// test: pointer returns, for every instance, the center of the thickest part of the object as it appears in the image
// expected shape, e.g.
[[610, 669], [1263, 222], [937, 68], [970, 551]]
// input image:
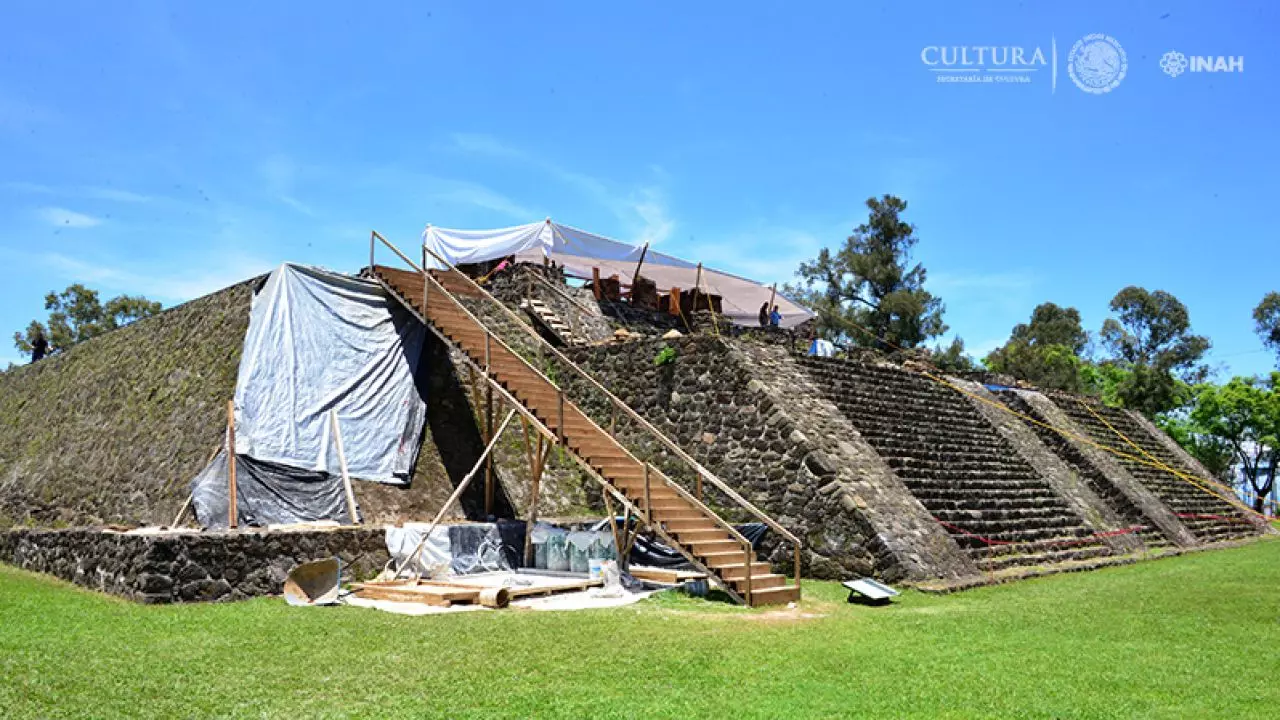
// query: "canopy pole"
[[697, 285], [636, 277], [457, 493], [353, 513], [773, 293], [232, 510]]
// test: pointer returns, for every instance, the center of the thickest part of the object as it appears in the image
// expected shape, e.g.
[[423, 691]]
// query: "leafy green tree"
[[952, 358], [1244, 414], [1152, 340], [1213, 452], [76, 315], [1267, 322], [870, 283], [1046, 351]]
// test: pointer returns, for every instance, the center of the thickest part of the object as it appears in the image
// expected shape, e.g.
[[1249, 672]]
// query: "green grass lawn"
[[1193, 636]]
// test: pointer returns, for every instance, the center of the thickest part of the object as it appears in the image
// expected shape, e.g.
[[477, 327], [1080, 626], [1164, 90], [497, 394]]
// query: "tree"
[[952, 358], [1244, 414], [1046, 351], [1152, 339], [1267, 322], [869, 289], [1213, 452], [76, 315]]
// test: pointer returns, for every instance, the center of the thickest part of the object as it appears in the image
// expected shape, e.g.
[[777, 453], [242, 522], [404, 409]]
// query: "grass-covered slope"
[[111, 430], [1192, 636]]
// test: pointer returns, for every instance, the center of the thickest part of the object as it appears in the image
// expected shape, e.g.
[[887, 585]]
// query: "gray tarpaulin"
[[319, 341], [266, 494]]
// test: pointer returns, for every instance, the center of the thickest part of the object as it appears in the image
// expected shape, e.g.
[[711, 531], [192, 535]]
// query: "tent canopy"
[[578, 251]]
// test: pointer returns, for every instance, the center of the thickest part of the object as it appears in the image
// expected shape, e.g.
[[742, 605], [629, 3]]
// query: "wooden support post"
[[595, 283], [648, 500], [353, 513], [232, 510], [488, 466], [674, 307], [560, 420], [697, 285], [453, 498], [425, 282], [537, 461], [635, 278], [773, 295]]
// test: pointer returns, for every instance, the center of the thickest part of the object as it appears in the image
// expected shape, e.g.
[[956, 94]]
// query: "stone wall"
[[189, 566], [705, 401]]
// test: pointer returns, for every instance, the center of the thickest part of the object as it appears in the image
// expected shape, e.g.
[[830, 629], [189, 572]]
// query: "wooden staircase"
[[551, 321], [673, 513]]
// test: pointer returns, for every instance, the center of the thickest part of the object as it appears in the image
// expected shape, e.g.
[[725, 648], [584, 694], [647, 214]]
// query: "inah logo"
[[1097, 63], [1173, 63]]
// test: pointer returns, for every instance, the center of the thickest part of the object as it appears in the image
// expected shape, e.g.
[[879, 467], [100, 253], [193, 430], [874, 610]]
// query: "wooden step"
[[775, 596], [725, 558], [694, 536], [759, 582], [732, 572], [707, 548], [696, 522]]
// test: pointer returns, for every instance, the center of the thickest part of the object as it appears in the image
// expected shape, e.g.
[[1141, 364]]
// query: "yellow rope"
[[1088, 441]]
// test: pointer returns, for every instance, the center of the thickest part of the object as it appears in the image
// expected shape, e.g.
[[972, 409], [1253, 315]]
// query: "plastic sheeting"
[[473, 246], [319, 341], [452, 549], [578, 251], [266, 494]]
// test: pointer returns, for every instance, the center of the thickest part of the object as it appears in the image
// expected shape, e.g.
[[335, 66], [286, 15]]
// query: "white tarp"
[[579, 251], [319, 341], [472, 246]]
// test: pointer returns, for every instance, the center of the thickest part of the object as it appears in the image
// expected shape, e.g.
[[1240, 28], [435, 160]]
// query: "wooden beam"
[[595, 282], [537, 461], [488, 466], [457, 493], [353, 513], [232, 510], [636, 277], [697, 285], [674, 306]]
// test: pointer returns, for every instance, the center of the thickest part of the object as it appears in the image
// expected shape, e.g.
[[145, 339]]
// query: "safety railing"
[[558, 435], [617, 407]]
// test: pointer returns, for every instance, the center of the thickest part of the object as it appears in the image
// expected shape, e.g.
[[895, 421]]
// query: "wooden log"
[[353, 513], [232, 510]]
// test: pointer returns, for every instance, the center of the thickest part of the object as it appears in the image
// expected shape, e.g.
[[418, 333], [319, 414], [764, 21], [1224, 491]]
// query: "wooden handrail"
[[645, 424], [618, 404]]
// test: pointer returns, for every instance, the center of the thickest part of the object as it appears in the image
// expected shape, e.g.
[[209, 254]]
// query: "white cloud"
[[479, 144], [28, 187], [61, 217], [642, 211], [462, 192], [298, 205], [656, 224], [115, 195], [161, 283]]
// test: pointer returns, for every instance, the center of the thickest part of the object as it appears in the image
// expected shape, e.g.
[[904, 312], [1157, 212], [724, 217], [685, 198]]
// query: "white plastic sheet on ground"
[[578, 251], [320, 341]]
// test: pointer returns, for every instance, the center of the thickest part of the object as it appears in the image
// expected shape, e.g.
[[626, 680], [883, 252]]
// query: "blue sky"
[[170, 152]]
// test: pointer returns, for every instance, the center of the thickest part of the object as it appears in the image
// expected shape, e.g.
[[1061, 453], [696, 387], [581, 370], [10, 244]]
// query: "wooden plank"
[[232, 510], [557, 588], [353, 514]]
